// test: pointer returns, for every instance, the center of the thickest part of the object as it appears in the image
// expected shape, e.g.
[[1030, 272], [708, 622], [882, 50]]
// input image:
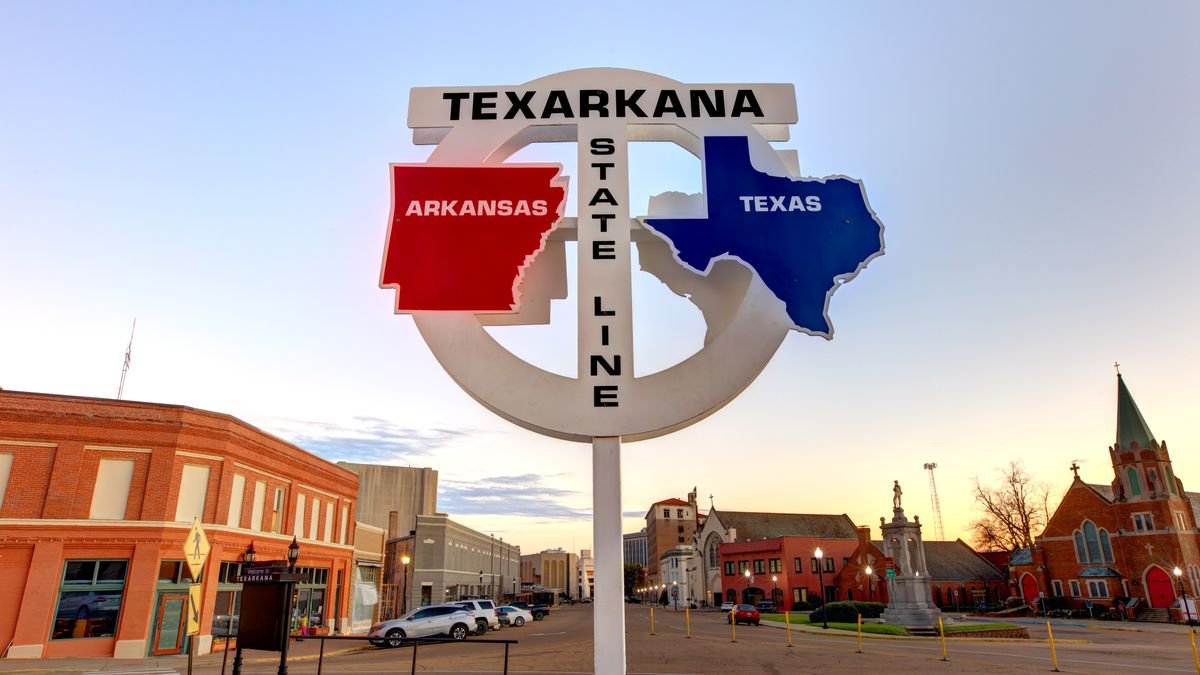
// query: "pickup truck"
[[538, 611]]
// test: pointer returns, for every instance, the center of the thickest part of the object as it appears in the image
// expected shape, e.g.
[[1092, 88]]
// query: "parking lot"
[[562, 644]]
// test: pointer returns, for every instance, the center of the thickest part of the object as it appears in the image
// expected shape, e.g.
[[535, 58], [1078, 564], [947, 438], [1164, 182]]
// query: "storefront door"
[[169, 629]]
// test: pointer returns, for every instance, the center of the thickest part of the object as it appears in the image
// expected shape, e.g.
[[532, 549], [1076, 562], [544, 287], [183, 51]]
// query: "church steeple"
[[1131, 427]]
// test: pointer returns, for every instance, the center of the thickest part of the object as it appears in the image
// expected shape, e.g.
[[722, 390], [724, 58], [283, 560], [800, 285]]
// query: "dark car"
[[746, 614], [539, 612], [766, 606]]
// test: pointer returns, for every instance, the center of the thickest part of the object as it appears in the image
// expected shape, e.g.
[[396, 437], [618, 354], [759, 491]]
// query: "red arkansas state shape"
[[461, 238]]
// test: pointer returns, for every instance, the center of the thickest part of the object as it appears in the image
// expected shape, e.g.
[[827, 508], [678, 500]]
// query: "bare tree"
[[1013, 511]]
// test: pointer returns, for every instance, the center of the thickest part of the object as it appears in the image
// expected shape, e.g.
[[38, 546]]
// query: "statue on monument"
[[896, 492]]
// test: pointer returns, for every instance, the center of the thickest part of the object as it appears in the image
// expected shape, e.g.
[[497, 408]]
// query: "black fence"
[[405, 642]]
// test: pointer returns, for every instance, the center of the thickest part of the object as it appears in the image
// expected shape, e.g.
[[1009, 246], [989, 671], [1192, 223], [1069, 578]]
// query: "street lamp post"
[[774, 589], [1179, 579], [821, 581], [293, 554], [675, 594], [746, 594], [404, 560], [870, 579]]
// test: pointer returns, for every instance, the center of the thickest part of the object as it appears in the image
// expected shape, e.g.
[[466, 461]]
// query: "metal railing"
[[404, 642]]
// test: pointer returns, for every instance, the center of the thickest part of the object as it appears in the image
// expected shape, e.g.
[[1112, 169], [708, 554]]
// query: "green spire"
[[1130, 424]]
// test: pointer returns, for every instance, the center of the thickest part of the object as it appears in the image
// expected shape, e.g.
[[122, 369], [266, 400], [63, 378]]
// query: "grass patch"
[[875, 628], [976, 627]]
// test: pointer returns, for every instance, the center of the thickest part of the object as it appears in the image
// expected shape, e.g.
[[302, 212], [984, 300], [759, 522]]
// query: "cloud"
[[522, 495], [633, 514], [364, 439]]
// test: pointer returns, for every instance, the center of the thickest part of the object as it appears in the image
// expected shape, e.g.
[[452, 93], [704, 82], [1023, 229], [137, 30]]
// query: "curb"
[[878, 636]]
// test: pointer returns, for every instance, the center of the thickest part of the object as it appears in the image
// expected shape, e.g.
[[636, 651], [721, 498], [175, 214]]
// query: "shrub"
[[801, 606], [848, 611]]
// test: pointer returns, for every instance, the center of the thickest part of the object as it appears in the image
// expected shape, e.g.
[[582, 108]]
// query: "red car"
[[746, 614]]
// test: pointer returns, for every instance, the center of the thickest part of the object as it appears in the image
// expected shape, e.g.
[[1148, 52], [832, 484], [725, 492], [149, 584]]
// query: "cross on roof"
[[1075, 469], [1117, 366]]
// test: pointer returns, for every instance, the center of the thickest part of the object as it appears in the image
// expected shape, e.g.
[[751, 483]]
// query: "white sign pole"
[[608, 609]]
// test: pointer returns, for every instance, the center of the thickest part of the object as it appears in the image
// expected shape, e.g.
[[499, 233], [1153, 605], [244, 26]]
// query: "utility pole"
[[128, 357]]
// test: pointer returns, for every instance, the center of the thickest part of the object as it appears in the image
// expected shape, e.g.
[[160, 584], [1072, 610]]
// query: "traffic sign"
[[195, 549], [891, 572], [193, 610]]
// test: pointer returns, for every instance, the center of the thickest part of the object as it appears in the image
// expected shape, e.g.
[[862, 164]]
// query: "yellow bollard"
[[860, 634], [652, 620], [733, 624], [942, 632], [687, 616], [1195, 658], [1053, 653], [787, 622]]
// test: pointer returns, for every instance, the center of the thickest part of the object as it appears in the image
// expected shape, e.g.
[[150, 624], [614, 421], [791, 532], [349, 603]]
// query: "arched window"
[[1093, 541], [1080, 549], [714, 554], [1105, 546], [1170, 480], [1134, 485]]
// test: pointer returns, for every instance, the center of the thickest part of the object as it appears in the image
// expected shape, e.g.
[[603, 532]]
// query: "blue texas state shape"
[[802, 237]]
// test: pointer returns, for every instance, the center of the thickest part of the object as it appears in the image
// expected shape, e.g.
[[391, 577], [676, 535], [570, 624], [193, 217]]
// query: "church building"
[[1121, 540]]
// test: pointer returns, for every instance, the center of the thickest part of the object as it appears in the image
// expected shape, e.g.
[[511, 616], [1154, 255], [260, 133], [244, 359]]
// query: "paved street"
[[562, 644]]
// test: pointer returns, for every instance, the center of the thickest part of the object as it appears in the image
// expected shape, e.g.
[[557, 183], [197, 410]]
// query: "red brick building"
[[959, 577], [1117, 540], [783, 567], [669, 523], [96, 496]]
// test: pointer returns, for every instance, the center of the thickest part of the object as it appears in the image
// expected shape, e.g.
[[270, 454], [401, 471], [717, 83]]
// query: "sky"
[[219, 171]]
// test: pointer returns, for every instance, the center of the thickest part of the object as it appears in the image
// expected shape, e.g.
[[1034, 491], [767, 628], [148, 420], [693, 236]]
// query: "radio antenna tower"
[[937, 506], [125, 367]]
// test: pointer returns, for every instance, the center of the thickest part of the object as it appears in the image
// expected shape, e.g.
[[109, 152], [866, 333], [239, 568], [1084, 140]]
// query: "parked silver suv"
[[485, 614], [451, 620]]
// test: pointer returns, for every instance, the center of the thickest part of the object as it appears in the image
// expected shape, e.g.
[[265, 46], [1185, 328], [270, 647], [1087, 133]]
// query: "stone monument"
[[910, 602]]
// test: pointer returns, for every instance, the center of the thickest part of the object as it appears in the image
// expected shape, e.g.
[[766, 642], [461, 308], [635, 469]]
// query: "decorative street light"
[[293, 554], [404, 560], [250, 555], [1179, 578], [870, 579], [774, 589], [480, 582], [675, 594], [746, 594], [821, 581]]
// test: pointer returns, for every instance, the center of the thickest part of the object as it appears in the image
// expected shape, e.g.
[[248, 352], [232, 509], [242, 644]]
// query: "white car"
[[727, 606], [514, 616], [484, 612], [450, 620]]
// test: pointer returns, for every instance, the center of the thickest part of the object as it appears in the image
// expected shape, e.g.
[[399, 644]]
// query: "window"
[[1180, 521], [1057, 586], [1092, 539], [236, 496], [111, 494], [714, 555], [6, 461], [743, 566], [1143, 522], [799, 564], [667, 513], [277, 511], [1080, 548], [816, 566], [193, 490], [1135, 485], [829, 564], [89, 601], [1074, 589], [329, 522], [729, 569], [680, 529], [342, 526], [1105, 546], [760, 566], [681, 539], [679, 513], [174, 572], [299, 529], [775, 564], [256, 513], [314, 514], [1098, 589], [795, 595]]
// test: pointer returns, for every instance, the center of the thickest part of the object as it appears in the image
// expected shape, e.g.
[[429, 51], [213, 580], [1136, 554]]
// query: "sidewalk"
[[299, 650]]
